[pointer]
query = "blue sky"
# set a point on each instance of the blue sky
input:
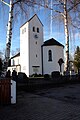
(16, 25)
(57, 30)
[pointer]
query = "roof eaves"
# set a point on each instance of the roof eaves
(18, 54)
(48, 43)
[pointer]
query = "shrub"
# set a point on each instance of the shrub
(36, 75)
(33, 75)
(22, 77)
(46, 76)
(55, 74)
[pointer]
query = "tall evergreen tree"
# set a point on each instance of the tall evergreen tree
(77, 58)
(1, 65)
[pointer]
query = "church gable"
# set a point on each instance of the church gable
(35, 25)
(37, 19)
(32, 19)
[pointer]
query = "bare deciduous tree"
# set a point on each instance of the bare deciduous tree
(14, 52)
(66, 10)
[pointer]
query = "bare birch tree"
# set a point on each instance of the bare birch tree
(68, 10)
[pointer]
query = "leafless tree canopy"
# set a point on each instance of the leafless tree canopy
(23, 7)
(62, 10)
(73, 8)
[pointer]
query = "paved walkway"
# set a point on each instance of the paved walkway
(61, 103)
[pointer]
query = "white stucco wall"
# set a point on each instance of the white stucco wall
(15, 61)
(35, 57)
(15, 65)
(24, 49)
(17, 68)
(30, 47)
(50, 66)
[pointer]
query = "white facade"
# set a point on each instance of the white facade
(50, 66)
(24, 48)
(31, 39)
(15, 64)
(34, 53)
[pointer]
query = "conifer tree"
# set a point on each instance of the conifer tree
(77, 59)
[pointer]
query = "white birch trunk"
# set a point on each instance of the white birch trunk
(9, 32)
(66, 37)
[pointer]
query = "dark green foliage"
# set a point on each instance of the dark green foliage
(8, 74)
(1, 65)
(55, 74)
(22, 77)
(36, 75)
(77, 58)
(46, 76)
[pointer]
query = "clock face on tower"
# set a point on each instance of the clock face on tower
(36, 36)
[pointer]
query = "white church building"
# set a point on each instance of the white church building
(36, 56)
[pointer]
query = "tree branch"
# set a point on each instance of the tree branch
(35, 3)
(5, 3)
(75, 26)
(73, 6)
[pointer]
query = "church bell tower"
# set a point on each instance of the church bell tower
(31, 40)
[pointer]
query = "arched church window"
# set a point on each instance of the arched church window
(49, 55)
(36, 42)
(36, 55)
(33, 29)
(37, 30)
